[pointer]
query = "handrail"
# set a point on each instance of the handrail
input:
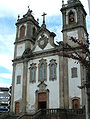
(37, 114)
(49, 113)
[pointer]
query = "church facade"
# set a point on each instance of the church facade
(42, 78)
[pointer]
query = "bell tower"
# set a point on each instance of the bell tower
(74, 25)
(27, 28)
(74, 21)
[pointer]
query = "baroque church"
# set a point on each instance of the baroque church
(42, 78)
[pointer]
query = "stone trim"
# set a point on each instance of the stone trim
(50, 75)
(42, 89)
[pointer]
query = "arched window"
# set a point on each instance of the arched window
(34, 31)
(22, 32)
(32, 73)
(53, 72)
(71, 17)
(52, 68)
(75, 104)
(42, 70)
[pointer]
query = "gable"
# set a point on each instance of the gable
(44, 42)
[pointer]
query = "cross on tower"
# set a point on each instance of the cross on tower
(29, 10)
(62, 2)
(44, 14)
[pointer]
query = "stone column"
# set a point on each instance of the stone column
(65, 80)
(61, 82)
(24, 86)
(12, 92)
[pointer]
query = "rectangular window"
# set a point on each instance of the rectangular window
(18, 79)
(74, 72)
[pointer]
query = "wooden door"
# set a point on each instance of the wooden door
(42, 101)
(75, 104)
(17, 107)
(41, 97)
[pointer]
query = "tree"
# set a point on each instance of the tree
(80, 52)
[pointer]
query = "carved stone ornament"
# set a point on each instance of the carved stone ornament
(42, 42)
(27, 53)
(42, 86)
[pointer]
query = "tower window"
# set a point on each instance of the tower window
(74, 72)
(42, 72)
(34, 32)
(71, 17)
(22, 32)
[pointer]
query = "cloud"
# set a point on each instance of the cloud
(15, 7)
(5, 85)
(6, 61)
(38, 7)
(6, 76)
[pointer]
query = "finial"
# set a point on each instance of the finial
(62, 2)
(29, 11)
(28, 7)
(44, 14)
(18, 16)
(38, 20)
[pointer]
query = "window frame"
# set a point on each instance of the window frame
(52, 62)
(70, 13)
(33, 66)
(22, 32)
(18, 81)
(42, 61)
(75, 103)
(74, 72)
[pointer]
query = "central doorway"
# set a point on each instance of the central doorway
(42, 101)
(41, 105)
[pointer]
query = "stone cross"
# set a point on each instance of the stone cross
(44, 14)
(29, 10)
(62, 2)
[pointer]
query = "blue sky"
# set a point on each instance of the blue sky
(9, 11)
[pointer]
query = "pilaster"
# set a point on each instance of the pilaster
(24, 86)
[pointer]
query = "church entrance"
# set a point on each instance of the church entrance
(42, 101)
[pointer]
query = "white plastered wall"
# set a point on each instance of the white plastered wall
(52, 86)
(74, 91)
(18, 87)
(20, 49)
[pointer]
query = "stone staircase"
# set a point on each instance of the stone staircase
(7, 115)
(48, 114)
(55, 114)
